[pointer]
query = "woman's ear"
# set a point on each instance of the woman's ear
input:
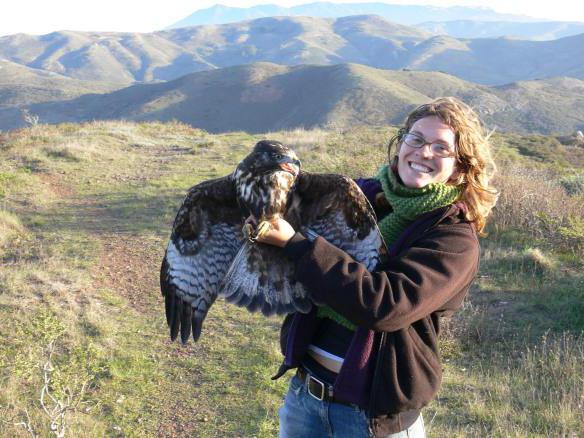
(393, 163)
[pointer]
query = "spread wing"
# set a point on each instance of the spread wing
(205, 238)
(333, 206)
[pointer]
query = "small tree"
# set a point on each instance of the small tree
(29, 118)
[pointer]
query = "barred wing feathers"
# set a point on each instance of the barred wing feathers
(261, 278)
(205, 239)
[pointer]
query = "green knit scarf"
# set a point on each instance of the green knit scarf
(407, 203)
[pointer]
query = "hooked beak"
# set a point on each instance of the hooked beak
(291, 166)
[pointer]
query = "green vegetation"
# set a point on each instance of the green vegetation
(85, 212)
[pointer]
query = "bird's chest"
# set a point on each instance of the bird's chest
(265, 196)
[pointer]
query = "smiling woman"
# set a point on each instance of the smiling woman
(367, 358)
(459, 154)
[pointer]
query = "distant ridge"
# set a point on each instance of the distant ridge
(265, 97)
(403, 14)
(535, 31)
(366, 39)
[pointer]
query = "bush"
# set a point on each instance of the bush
(535, 203)
(62, 153)
(573, 184)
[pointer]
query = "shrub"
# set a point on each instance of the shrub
(535, 203)
(61, 153)
(573, 184)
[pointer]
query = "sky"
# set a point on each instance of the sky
(45, 16)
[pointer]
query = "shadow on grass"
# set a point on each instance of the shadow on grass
(117, 213)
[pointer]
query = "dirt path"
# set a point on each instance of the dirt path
(128, 263)
(131, 267)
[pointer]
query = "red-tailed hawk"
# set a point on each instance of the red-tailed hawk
(209, 255)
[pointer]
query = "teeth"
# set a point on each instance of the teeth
(420, 168)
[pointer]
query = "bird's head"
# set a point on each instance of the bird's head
(270, 156)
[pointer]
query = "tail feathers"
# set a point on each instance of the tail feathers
(258, 303)
(261, 279)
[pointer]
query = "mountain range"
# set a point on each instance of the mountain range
(455, 21)
(263, 97)
(404, 14)
(535, 31)
(125, 58)
(286, 72)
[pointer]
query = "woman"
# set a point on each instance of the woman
(367, 360)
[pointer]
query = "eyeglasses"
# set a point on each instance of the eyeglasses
(439, 149)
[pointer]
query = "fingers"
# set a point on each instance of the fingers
(251, 220)
(279, 233)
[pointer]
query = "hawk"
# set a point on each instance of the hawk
(208, 255)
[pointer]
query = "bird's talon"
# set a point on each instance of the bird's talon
(262, 229)
(252, 235)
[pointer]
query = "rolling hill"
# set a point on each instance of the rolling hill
(21, 85)
(263, 97)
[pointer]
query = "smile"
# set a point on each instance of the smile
(419, 167)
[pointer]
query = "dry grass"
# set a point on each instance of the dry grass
(10, 228)
(534, 202)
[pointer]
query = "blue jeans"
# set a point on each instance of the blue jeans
(303, 416)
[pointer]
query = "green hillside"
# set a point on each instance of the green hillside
(85, 213)
(20, 85)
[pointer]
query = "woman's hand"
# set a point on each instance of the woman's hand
(279, 234)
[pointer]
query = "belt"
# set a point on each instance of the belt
(316, 388)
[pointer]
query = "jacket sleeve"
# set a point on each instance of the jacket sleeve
(432, 275)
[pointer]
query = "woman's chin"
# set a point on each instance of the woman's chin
(415, 182)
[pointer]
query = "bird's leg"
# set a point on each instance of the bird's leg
(248, 228)
(248, 231)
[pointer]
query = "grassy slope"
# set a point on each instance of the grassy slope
(85, 211)
(263, 96)
(21, 85)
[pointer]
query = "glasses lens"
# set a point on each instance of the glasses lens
(414, 140)
(442, 150)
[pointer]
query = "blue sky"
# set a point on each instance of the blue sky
(44, 16)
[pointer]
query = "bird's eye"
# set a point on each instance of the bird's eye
(278, 156)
